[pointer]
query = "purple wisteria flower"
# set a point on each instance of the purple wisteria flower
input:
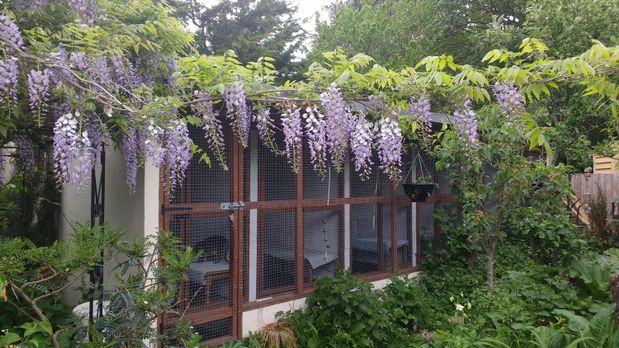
(509, 99)
(38, 90)
(123, 72)
(315, 129)
(26, 153)
(421, 112)
(10, 34)
(293, 133)
(84, 11)
(28, 5)
(389, 145)
(237, 111)
(129, 149)
(172, 67)
(150, 142)
(95, 131)
(465, 122)
(340, 123)
(177, 151)
(213, 130)
(361, 144)
(8, 79)
(265, 126)
(72, 153)
(376, 102)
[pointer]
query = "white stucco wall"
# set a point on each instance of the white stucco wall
(137, 215)
(255, 319)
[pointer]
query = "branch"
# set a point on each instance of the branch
(35, 309)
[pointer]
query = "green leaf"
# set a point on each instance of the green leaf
(9, 338)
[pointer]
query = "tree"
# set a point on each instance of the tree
(251, 28)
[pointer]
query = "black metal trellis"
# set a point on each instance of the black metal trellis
(97, 209)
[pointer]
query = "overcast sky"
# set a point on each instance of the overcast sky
(307, 9)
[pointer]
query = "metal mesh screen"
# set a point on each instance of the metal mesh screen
(316, 187)
(277, 250)
(322, 230)
(204, 184)
(426, 227)
(276, 179)
(214, 329)
(367, 247)
(368, 187)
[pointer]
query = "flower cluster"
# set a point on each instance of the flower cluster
(339, 124)
(8, 79)
(465, 121)
(38, 90)
(94, 128)
(28, 5)
(293, 133)
(150, 140)
(376, 102)
(123, 72)
(315, 129)
(26, 153)
(10, 34)
(213, 130)
(237, 111)
(389, 145)
(177, 151)
(84, 11)
(171, 67)
(264, 124)
(509, 99)
(421, 113)
(361, 141)
(129, 149)
(72, 153)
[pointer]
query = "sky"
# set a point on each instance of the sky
(306, 9)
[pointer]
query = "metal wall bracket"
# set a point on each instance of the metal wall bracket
(232, 206)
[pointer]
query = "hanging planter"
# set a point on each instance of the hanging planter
(420, 188)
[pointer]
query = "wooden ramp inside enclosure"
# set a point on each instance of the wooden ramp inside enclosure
(578, 211)
(586, 187)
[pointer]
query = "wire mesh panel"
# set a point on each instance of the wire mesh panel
(214, 329)
(367, 247)
(371, 186)
(276, 252)
(276, 179)
(403, 233)
(317, 187)
(322, 229)
(204, 183)
(426, 227)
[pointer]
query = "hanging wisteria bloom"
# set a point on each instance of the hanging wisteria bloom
(293, 132)
(264, 124)
(10, 34)
(376, 102)
(38, 90)
(237, 111)
(421, 112)
(8, 79)
(465, 121)
(84, 11)
(72, 152)
(340, 123)
(172, 67)
(129, 149)
(26, 153)
(177, 151)
(150, 142)
(29, 5)
(509, 99)
(389, 145)
(315, 130)
(94, 128)
(361, 144)
(213, 130)
(123, 72)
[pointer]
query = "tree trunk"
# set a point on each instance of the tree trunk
(490, 272)
(552, 159)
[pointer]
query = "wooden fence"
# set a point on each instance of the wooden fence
(586, 186)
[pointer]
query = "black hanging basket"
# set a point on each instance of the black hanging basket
(419, 189)
(418, 192)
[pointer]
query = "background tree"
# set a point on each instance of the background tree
(251, 28)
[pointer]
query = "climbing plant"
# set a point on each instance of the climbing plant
(88, 73)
